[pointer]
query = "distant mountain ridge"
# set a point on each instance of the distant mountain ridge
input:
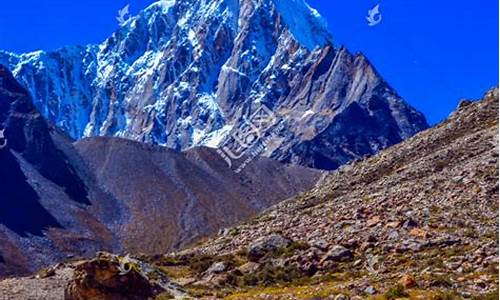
(187, 73)
(175, 198)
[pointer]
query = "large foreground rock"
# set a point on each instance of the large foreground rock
(110, 277)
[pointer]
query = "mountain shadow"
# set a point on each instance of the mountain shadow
(28, 134)
(20, 209)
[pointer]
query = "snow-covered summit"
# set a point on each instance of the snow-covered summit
(305, 23)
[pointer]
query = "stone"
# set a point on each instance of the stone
(371, 239)
(410, 223)
(341, 297)
(103, 278)
(365, 246)
(370, 290)
(393, 235)
(46, 273)
(213, 280)
(326, 265)
(338, 254)
(216, 268)
(464, 103)
(223, 231)
(408, 281)
(265, 245)
(320, 244)
(373, 221)
(249, 267)
(310, 268)
(418, 232)
(445, 241)
(394, 224)
(357, 263)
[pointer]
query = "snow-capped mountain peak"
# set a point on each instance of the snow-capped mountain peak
(187, 73)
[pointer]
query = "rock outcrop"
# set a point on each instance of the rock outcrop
(111, 277)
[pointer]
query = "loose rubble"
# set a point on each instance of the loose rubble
(420, 216)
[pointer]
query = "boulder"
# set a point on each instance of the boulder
(320, 244)
(265, 245)
(111, 277)
(216, 268)
(249, 267)
(338, 253)
(408, 281)
(370, 290)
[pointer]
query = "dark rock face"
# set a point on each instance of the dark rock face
(20, 210)
(187, 74)
(27, 134)
(41, 193)
(352, 134)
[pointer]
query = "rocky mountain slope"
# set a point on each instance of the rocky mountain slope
(188, 73)
(60, 199)
(43, 196)
(419, 221)
(172, 199)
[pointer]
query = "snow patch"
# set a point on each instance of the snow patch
(307, 114)
(233, 70)
(192, 38)
(210, 139)
(165, 5)
(185, 122)
(207, 102)
(214, 139)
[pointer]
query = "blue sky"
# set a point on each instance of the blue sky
(432, 52)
